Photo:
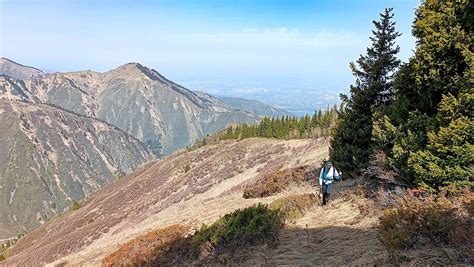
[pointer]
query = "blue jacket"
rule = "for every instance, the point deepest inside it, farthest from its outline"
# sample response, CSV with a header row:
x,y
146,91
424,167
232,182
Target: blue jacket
x,y
329,177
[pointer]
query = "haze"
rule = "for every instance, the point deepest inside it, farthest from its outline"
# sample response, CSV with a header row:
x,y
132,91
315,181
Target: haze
x,y
288,54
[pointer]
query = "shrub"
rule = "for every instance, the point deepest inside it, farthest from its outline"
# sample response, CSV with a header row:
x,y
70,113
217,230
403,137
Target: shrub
x,y
171,247
2,258
242,226
275,182
187,168
295,206
76,205
418,221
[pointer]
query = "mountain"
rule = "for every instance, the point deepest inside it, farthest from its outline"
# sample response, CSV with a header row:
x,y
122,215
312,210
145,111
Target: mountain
x,y
163,115
16,70
252,106
51,157
162,193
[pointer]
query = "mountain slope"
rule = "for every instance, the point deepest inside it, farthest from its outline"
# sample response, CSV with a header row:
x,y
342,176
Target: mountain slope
x,y
51,157
16,70
163,193
163,115
254,106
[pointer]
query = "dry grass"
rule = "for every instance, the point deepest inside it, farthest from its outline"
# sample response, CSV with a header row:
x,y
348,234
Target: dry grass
x,y
275,182
295,206
161,194
145,249
421,221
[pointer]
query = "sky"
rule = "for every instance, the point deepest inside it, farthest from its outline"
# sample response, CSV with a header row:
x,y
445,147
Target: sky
x,y
271,50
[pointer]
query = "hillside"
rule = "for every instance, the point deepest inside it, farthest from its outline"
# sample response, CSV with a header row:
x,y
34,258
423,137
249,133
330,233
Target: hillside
x,y
163,115
51,157
160,194
176,195
15,70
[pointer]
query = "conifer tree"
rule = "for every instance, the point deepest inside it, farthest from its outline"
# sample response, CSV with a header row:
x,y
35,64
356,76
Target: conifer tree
x,y
351,143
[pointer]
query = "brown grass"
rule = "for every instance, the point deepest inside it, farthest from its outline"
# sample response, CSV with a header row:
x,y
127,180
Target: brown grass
x,y
295,206
275,182
431,220
146,249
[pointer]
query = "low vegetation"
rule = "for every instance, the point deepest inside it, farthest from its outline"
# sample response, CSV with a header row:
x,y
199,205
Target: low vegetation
x,y
171,245
420,220
6,245
187,168
241,227
144,250
295,206
76,205
275,182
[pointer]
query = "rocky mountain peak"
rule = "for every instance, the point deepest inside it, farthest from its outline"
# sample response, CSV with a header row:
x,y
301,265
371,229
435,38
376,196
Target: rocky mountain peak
x,y
15,70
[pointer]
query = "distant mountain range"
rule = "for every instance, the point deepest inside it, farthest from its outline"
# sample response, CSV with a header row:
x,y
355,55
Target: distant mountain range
x,y
254,106
64,135
163,115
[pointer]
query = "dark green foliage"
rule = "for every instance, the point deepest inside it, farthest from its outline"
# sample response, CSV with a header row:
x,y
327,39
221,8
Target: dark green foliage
x,y
430,116
286,127
449,155
352,138
241,226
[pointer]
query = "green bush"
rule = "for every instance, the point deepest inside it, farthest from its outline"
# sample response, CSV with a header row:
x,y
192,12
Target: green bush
x,y
241,226
187,168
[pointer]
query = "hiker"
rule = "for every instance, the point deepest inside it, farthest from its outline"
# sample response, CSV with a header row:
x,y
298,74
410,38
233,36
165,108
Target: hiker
x,y
327,175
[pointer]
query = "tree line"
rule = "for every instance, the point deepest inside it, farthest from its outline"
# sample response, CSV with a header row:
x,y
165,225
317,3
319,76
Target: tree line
x,y
286,127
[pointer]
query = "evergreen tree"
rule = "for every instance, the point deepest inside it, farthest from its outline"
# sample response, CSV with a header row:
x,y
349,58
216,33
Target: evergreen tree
x,y
449,155
430,147
351,144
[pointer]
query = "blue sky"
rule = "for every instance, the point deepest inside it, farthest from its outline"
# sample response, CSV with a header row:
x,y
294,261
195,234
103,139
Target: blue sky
x,y
246,47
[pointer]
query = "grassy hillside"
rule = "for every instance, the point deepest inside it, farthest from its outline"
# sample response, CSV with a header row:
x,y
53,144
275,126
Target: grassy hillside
x,y
163,193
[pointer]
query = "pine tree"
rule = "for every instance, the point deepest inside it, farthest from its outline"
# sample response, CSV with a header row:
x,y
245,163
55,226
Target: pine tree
x,y
351,143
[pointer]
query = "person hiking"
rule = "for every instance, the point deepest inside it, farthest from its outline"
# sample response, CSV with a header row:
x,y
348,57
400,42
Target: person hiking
x,y
327,175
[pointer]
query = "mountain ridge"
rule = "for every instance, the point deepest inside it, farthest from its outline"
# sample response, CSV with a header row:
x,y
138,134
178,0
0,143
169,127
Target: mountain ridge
x,y
162,114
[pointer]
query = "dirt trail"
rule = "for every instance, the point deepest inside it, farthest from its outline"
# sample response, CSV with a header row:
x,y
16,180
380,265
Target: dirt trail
x,y
334,235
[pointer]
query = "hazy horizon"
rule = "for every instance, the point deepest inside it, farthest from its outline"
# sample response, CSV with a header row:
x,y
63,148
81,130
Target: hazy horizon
x,y
266,50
